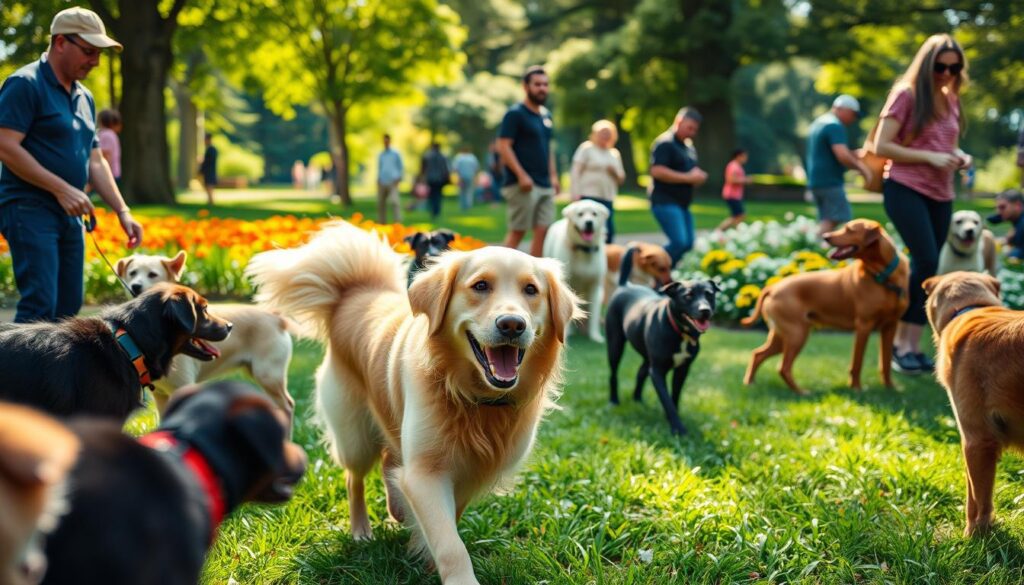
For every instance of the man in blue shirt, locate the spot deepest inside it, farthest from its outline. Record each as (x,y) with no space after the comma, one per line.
(674,174)
(531,181)
(389,175)
(466,167)
(828,157)
(49,150)
(1010,207)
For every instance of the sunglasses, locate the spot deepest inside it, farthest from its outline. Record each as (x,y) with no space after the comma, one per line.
(87,51)
(954,69)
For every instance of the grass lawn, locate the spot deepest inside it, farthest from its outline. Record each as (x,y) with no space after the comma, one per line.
(487,222)
(768,487)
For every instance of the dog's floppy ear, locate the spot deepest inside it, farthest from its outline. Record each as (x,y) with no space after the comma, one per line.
(121,268)
(930,283)
(563,304)
(872,234)
(446,234)
(175,266)
(714,286)
(670,288)
(180,308)
(432,289)
(256,422)
(992,282)
(415,239)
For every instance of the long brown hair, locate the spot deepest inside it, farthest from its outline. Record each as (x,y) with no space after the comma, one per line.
(919,78)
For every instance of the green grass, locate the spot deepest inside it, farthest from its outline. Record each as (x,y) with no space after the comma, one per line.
(767,487)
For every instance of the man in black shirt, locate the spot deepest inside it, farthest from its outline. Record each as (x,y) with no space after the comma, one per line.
(674,174)
(531,181)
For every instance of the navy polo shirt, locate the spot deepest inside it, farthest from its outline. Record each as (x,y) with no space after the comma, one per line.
(669,152)
(531,142)
(59,128)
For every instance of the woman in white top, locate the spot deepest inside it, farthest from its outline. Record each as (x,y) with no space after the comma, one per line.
(597,170)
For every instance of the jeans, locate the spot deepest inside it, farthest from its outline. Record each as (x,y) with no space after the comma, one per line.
(923,223)
(434,199)
(677,223)
(48,256)
(609,226)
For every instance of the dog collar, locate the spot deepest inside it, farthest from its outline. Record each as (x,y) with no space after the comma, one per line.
(882,277)
(503,401)
(957,253)
(582,248)
(966,309)
(166,442)
(675,327)
(135,355)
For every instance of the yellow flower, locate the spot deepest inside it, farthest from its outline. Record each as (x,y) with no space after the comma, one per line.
(747,295)
(755,256)
(713,258)
(772,280)
(731,266)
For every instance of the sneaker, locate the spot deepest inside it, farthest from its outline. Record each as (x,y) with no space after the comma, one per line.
(927,364)
(907,363)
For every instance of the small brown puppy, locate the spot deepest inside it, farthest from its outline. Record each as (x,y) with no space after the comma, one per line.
(36,453)
(971,329)
(652,266)
(868,295)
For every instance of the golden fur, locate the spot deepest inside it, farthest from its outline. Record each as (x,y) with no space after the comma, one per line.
(987,399)
(36,452)
(400,379)
(845,298)
(652,266)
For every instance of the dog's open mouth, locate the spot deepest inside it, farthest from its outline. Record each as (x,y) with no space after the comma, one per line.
(200,349)
(500,363)
(702,325)
(843,252)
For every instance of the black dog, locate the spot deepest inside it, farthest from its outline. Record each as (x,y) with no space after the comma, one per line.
(425,245)
(665,329)
(146,512)
(99,365)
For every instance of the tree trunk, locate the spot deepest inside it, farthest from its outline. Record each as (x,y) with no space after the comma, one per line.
(188,138)
(625,146)
(112,81)
(339,134)
(146,59)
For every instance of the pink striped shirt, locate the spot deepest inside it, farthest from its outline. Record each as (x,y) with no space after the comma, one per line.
(938,135)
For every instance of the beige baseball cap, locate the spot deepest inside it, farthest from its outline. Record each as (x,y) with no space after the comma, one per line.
(86,25)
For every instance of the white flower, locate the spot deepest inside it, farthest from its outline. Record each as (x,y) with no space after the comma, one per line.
(646,555)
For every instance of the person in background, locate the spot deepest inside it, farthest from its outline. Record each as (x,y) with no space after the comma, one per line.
(435,172)
(494,167)
(597,170)
(208,168)
(389,174)
(828,157)
(531,179)
(298,174)
(674,174)
(1010,207)
(49,153)
(466,167)
(732,190)
(110,144)
(919,131)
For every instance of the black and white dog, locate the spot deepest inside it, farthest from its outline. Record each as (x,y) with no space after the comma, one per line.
(425,245)
(664,327)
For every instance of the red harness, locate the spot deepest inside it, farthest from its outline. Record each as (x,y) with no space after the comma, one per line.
(200,468)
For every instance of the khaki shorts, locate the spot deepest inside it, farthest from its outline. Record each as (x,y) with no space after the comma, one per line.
(527,210)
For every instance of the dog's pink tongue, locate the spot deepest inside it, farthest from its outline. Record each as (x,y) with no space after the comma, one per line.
(504,361)
(587,235)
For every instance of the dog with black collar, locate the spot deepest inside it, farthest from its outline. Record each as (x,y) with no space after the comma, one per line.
(578,241)
(664,327)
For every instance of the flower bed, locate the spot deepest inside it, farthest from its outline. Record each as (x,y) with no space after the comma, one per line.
(218,249)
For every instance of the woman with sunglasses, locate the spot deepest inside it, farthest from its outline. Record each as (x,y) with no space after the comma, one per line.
(919,132)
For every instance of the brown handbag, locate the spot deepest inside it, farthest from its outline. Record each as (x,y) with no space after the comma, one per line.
(873,161)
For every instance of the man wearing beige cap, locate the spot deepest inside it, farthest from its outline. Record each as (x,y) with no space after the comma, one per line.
(828,157)
(49,151)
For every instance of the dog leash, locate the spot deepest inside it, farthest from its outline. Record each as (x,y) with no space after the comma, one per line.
(90,227)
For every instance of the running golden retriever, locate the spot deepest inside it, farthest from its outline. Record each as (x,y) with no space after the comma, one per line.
(446,383)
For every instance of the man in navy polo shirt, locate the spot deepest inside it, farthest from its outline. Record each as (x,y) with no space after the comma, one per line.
(49,151)
(674,174)
(531,181)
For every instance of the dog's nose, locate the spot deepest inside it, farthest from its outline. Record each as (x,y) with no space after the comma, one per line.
(704,313)
(968,234)
(511,325)
(229,325)
(588,226)
(136,289)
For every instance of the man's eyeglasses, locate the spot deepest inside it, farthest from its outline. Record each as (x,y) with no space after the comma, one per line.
(954,69)
(87,51)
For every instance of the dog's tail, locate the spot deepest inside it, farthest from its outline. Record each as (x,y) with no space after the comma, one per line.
(757,308)
(627,265)
(308,282)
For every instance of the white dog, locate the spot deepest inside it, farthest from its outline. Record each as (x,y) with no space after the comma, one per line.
(969,246)
(578,241)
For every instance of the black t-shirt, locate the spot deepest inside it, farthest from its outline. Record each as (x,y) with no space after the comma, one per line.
(668,151)
(531,142)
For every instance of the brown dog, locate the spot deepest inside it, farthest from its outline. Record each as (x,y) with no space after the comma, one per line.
(652,266)
(36,453)
(971,330)
(868,295)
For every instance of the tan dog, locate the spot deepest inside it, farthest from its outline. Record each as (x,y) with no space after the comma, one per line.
(447,383)
(36,453)
(969,246)
(868,295)
(260,341)
(652,266)
(972,332)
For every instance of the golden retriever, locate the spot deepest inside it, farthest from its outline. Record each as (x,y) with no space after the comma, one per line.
(446,383)
(972,333)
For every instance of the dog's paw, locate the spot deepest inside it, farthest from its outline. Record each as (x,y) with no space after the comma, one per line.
(362,534)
